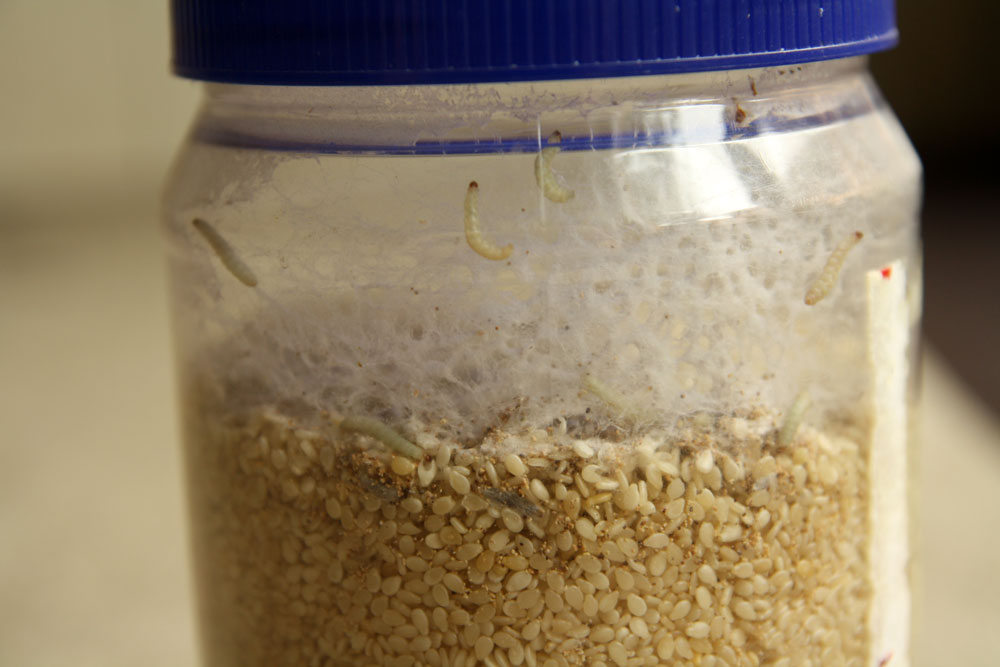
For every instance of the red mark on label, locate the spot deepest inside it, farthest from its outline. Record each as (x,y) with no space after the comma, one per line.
(888,656)
(887,272)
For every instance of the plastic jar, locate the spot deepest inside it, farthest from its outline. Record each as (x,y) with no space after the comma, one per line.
(497,347)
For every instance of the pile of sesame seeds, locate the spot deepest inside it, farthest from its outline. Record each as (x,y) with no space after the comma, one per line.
(326,549)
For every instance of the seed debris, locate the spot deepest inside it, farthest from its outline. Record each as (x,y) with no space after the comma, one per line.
(551,187)
(373,486)
(512,500)
(823,285)
(379,431)
(225,253)
(473,233)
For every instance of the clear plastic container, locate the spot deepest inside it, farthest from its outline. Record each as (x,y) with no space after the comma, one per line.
(640,396)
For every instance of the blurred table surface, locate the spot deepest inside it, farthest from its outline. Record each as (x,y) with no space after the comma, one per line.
(93,545)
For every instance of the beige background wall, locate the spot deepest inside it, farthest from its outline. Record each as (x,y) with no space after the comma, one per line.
(85,87)
(92,539)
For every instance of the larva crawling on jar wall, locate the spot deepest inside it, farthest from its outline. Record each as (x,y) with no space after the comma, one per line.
(379,431)
(225,253)
(611,396)
(790,426)
(474,235)
(823,284)
(553,189)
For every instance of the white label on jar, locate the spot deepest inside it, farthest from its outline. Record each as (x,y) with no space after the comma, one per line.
(888,342)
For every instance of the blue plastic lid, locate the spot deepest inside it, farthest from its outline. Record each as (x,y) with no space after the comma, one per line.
(379,42)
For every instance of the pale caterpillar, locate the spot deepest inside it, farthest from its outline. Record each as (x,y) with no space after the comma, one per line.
(790,426)
(225,253)
(823,284)
(553,189)
(473,235)
(379,431)
(610,395)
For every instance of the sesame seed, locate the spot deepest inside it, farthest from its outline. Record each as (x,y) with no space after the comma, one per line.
(426,472)
(675,508)
(512,520)
(704,461)
(459,482)
(656,541)
(393,618)
(412,505)
(703,598)
(638,627)
(588,563)
(491,473)
(602,634)
(827,473)
(697,630)
(731,533)
(585,528)
(498,540)
(574,597)
(453,583)
(636,605)
(617,653)
(514,465)
(442,505)
(608,601)
(598,499)
(420,621)
(529,599)
(745,610)
(657,564)
(504,639)
(333,508)
(643,557)
(484,646)
(518,581)
(681,609)
(665,648)
(624,580)
(538,490)
(440,595)
(402,466)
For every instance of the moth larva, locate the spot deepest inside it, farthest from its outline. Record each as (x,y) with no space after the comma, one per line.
(822,286)
(379,431)
(473,235)
(790,426)
(553,189)
(225,253)
(609,395)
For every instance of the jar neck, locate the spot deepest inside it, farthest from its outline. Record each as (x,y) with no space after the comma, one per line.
(373,116)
